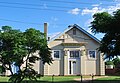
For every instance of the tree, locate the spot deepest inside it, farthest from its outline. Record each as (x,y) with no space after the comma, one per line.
(116,62)
(17,48)
(109,25)
(109,63)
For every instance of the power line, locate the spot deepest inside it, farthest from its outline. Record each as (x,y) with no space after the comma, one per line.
(43,9)
(51,5)
(59,10)
(73,2)
(54,8)
(19,21)
(110,1)
(66,2)
(16,21)
(40,5)
(34,8)
(34,4)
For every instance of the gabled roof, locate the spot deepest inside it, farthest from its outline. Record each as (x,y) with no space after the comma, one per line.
(78,27)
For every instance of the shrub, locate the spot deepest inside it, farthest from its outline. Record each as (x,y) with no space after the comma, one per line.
(109,63)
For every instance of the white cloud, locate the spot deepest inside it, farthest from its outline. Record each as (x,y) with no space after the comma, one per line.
(109,9)
(74,11)
(87,23)
(92,11)
(95,5)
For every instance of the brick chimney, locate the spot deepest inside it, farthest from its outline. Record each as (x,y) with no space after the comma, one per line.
(45,29)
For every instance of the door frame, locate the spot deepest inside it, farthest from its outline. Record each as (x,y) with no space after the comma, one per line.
(74,59)
(72,70)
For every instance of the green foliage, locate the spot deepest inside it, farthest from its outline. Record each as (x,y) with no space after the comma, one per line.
(109,63)
(2,69)
(109,25)
(101,22)
(25,74)
(116,62)
(23,48)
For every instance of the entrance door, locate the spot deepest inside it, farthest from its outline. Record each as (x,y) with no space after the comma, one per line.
(74,62)
(72,68)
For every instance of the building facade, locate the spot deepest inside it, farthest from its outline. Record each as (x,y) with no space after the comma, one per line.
(74,52)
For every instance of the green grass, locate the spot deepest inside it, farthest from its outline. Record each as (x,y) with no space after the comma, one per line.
(47,79)
(110,78)
(4,79)
(59,78)
(67,79)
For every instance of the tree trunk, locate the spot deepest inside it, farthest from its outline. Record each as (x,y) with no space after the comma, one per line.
(10,69)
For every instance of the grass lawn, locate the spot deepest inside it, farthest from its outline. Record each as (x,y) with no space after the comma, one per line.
(68,79)
(4,79)
(61,78)
(48,79)
(110,78)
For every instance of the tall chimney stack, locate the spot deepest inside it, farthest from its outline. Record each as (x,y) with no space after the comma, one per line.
(45,29)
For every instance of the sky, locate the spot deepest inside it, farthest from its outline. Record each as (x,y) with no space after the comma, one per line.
(59,14)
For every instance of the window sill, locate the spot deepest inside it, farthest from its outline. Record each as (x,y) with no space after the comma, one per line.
(56,59)
(74,58)
(91,58)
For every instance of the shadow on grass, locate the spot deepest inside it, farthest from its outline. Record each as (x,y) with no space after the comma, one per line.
(94,81)
(46,82)
(105,81)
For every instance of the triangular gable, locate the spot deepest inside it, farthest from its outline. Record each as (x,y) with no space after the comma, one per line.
(78,27)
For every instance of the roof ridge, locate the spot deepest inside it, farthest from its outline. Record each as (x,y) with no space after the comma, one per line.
(87,33)
(81,29)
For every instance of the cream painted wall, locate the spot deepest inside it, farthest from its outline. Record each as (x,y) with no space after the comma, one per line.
(66,63)
(88,66)
(37,66)
(54,69)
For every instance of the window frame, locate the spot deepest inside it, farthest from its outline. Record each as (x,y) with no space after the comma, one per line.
(89,54)
(74,31)
(74,55)
(54,56)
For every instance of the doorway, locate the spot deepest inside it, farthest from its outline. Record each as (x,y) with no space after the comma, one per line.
(72,68)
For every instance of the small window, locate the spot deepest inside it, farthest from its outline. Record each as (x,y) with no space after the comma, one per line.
(56,54)
(74,54)
(74,31)
(92,54)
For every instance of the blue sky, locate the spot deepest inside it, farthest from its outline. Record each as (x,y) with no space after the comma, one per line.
(59,14)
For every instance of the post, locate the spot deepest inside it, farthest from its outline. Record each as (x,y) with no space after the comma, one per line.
(81,78)
(92,76)
(52,78)
(45,29)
